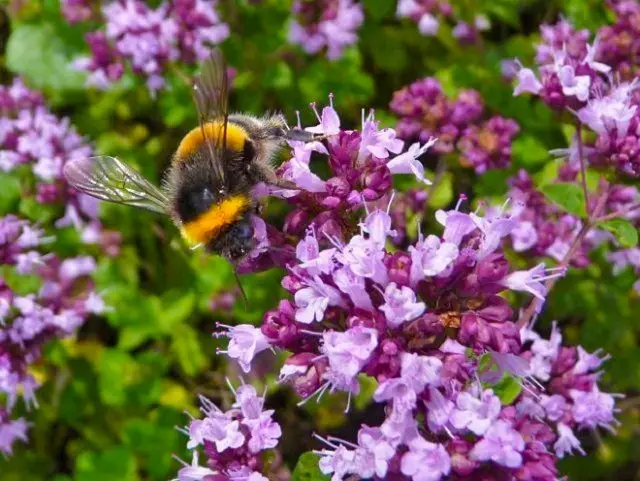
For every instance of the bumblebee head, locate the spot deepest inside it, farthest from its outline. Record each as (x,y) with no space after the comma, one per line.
(238,241)
(235,243)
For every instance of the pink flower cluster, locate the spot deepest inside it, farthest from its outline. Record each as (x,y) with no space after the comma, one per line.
(61,304)
(150,39)
(619,44)
(428,323)
(234,441)
(424,111)
(325,24)
(572,77)
(76,11)
(31,135)
(428,14)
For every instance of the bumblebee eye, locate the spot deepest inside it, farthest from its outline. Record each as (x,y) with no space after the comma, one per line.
(207,196)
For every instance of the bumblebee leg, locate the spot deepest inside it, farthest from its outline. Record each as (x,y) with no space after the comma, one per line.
(266,174)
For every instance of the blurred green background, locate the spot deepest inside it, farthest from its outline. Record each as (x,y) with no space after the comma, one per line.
(111,396)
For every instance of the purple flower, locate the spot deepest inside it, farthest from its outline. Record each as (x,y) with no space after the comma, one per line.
(365,258)
(221,431)
(456,225)
(193,471)
(610,112)
(420,371)
(327,24)
(593,408)
(488,146)
(10,432)
(476,414)
(425,461)
(567,442)
(339,462)
(555,406)
(353,286)
(400,305)
(431,257)
(329,120)
(531,280)
(500,444)
(374,452)
(439,410)
(312,301)
(408,163)
(245,342)
(233,441)
(150,39)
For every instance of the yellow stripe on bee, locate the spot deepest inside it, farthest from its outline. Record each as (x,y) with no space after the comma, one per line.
(236,137)
(208,225)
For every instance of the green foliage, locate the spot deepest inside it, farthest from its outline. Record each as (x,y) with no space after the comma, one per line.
(307,469)
(507,389)
(569,196)
(112,396)
(37,52)
(625,232)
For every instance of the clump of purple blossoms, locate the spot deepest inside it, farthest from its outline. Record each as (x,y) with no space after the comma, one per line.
(150,39)
(488,146)
(325,24)
(233,441)
(428,14)
(428,323)
(30,135)
(76,11)
(572,78)
(425,13)
(61,304)
(566,65)
(424,111)
(619,44)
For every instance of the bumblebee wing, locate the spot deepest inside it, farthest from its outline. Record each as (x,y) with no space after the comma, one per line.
(110,179)
(210,90)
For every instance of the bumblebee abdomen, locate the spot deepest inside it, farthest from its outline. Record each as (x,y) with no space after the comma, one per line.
(220,215)
(194,140)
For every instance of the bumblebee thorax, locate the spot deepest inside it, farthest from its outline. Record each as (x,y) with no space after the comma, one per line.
(195,139)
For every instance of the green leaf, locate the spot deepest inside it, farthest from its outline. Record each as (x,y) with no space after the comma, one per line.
(176,308)
(307,469)
(116,463)
(442,194)
(38,53)
(114,367)
(186,348)
(9,193)
(567,195)
(625,232)
(529,151)
(507,389)
(378,9)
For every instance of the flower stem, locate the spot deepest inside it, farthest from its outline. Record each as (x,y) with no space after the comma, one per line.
(619,213)
(529,312)
(583,169)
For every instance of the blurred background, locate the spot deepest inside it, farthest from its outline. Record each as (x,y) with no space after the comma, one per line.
(111,392)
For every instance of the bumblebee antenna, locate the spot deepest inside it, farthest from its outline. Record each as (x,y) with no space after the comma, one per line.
(243,294)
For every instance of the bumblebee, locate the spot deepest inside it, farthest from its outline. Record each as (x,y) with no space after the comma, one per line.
(207,190)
